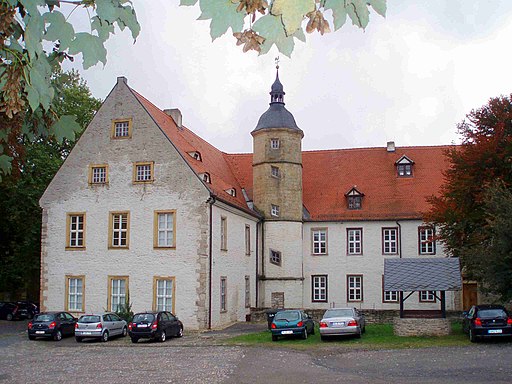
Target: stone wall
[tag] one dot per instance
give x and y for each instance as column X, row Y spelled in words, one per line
column 421, row 327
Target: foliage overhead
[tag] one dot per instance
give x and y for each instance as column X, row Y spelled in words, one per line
column 474, row 208
column 35, row 39
column 260, row 24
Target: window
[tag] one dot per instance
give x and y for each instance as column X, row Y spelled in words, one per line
column 389, row 241
column 354, row 199
column 164, row 229
column 427, row 244
column 354, row 241
column 196, row 155
column 121, row 129
column 319, row 240
column 404, row 167
column 389, row 296
column 274, row 210
column 75, row 231
column 75, row 287
column 247, row 240
column 205, row 177
column 427, row 296
column 163, row 294
column 98, row 174
column 319, row 288
column 117, row 293
column 143, row 172
column 274, row 171
column 119, row 230
column 223, row 234
column 275, row 257
column 354, row 288
column 274, row 143
column 223, row 294
column 247, row 292
column 231, row 191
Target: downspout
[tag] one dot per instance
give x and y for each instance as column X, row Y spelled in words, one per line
column 399, row 239
column 210, row 201
column 262, row 247
column 257, row 263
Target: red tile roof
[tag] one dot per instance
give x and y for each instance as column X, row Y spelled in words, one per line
column 327, row 175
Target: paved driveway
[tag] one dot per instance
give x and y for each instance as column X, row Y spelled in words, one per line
column 200, row 358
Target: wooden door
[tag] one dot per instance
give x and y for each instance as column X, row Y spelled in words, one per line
column 469, row 295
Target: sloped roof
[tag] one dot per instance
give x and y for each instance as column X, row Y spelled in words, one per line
column 422, row 274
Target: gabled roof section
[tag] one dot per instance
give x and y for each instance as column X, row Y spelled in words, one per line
column 354, row 192
column 212, row 160
column 404, row 160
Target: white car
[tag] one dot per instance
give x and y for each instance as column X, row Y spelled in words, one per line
column 342, row 321
column 100, row 326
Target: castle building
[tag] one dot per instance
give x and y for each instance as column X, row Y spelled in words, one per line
column 145, row 212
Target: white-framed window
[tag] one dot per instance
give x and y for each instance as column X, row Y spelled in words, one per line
column 274, row 171
column 319, row 241
column 390, row 241
column 75, row 293
column 389, row 296
column 354, row 288
column 426, row 242
column 274, row 143
column 275, row 257
column 223, row 294
column 223, row 233
column 354, row 241
column 121, row 129
column 143, row 172
column 247, row 240
column 118, row 289
column 274, row 210
column 119, row 230
column 404, row 170
column 247, row 292
column 319, row 288
column 427, row 296
column 163, row 294
column 98, row 174
column 75, row 231
column 165, row 227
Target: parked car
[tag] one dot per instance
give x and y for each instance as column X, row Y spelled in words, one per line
column 291, row 323
column 27, row 309
column 154, row 325
column 51, row 324
column 100, row 326
column 8, row 311
column 487, row 321
column 342, row 321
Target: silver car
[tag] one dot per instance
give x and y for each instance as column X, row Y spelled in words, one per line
column 100, row 326
column 342, row 321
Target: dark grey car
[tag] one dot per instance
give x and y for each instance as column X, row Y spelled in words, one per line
column 100, row 326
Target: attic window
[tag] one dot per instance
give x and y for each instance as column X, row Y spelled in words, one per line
column 354, row 199
column 404, row 167
column 196, row 155
column 231, row 191
column 205, row 177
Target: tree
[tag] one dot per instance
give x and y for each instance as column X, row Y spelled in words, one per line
column 35, row 39
column 33, row 169
column 259, row 24
column 475, row 198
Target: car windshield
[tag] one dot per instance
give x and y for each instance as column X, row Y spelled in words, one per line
column 285, row 315
column 44, row 317
column 490, row 313
column 338, row 313
column 143, row 317
column 89, row 319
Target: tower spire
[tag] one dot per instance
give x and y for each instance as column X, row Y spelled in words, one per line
column 277, row 92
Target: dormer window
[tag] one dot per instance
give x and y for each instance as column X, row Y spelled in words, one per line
column 231, row 191
column 196, row 155
column 354, row 199
column 205, row 177
column 274, row 143
column 404, row 167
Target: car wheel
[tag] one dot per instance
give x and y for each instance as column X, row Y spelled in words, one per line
column 472, row 336
column 134, row 340
column 163, row 337
column 323, row 338
column 78, row 339
column 358, row 334
column 364, row 329
column 104, row 337
column 305, row 334
column 125, row 332
column 9, row 317
column 180, row 332
column 30, row 316
column 30, row 337
column 57, row 336
column 274, row 338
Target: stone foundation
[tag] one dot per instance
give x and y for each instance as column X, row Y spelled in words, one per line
column 421, row 327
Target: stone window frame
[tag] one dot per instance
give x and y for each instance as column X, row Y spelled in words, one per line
column 114, row 130
column 355, row 242
column 92, row 168
column 168, row 279
column 247, row 240
column 317, row 290
column 353, row 292
column 247, row 291
column 426, row 243
column 72, row 233
column 112, row 230
column 223, row 233
column 156, row 228
column 68, row 294
column 110, row 293
column 314, row 242
column 137, row 165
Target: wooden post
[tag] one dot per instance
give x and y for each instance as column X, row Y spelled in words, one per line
column 443, row 304
column 401, row 295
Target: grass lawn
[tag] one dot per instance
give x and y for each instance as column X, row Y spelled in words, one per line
column 377, row 336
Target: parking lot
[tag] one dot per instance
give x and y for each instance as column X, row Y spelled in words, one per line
column 202, row 358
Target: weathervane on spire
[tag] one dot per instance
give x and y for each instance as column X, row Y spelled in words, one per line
column 277, row 62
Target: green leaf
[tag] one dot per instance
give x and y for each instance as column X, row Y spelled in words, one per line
column 114, row 11
column 188, row 2
column 91, row 47
column 127, row 18
column 358, row 11
column 271, row 28
column 34, row 34
column 292, row 12
column 65, row 128
column 59, row 29
column 39, row 91
column 223, row 15
column 378, row 6
column 5, row 165
column 31, row 6
column 103, row 28
column 339, row 12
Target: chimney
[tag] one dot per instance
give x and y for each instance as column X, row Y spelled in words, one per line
column 122, row 79
column 391, row 146
column 175, row 114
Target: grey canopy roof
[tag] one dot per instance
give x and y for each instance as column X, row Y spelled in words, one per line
column 422, row 274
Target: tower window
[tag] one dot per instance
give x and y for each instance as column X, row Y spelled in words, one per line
column 274, row 143
column 275, row 172
column 275, row 257
column 274, row 210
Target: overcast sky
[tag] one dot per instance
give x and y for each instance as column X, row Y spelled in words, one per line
column 409, row 78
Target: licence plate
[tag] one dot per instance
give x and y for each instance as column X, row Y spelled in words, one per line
column 40, row 332
column 338, row 324
column 495, row 331
column 286, row 332
column 86, row 333
column 142, row 326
